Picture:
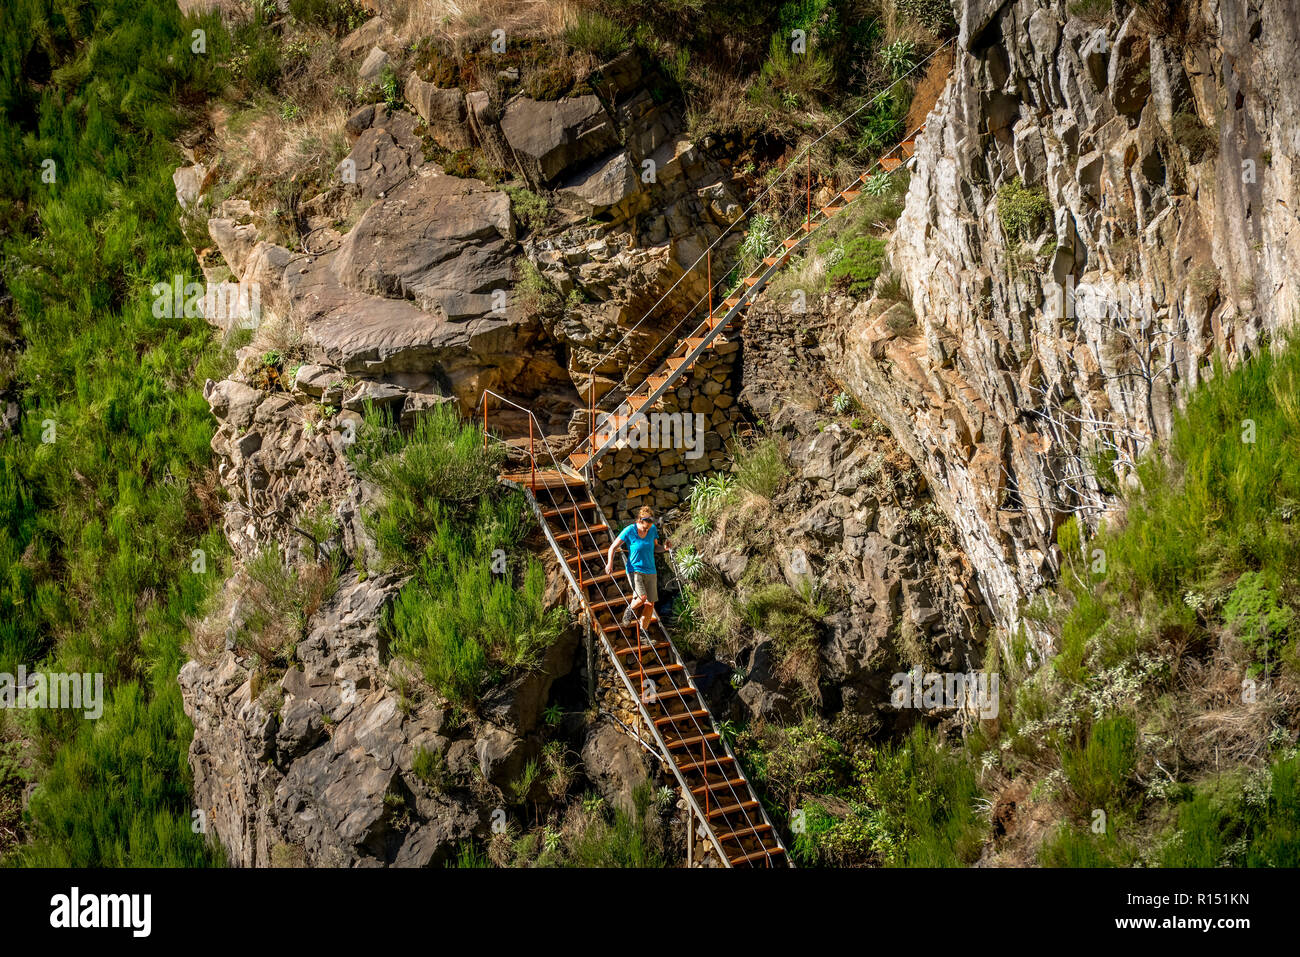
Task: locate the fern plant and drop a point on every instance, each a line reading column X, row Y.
column 689, row 563
column 877, row 184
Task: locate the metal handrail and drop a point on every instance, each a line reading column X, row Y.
column 711, row 330
column 807, row 150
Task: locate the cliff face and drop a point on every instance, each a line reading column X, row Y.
column 1159, row 149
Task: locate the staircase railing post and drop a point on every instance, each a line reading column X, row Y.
column 532, row 460
column 709, row 255
column 690, row 838
column 591, row 661
column 704, row 765
column 485, row 432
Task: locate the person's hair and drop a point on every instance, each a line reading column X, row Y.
column 646, row 512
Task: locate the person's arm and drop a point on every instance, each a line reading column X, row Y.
column 613, row 548
column 661, row 540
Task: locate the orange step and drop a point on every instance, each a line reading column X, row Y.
column 675, row 362
column 732, row 809
column 579, row 459
column 890, row 163
column 647, row 647
column 682, row 716
column 744, row 833
column 757, row 855
column 589, row 530
column 851, row 194
column 566, row 511
column 689, row 742
column 729, row 783
column 711, row 762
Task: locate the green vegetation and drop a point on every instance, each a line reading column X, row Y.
column 758, row 466
column 1147, row 725
column 529, row 208
column 855, row 270
column 793, row 622
column 534, row 292
column 98, row 525
column 597, row 34
column 628, row 840
column 849, row 255
column 1091, row 9
column 590, row 834
column 856, row 804
column 1023, row 211
column 473, row 612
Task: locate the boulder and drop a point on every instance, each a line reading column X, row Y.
column 443, row 242
column 550, row 137
column 501, row 755
column 614, row 763
column 234, row 402
column 189, row 182
column 443, row 112
column 364, row 37
column 372, row 67
column 606, row 182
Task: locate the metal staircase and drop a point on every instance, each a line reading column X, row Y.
column 672, row 709
column 609, row 426
column 653, row 673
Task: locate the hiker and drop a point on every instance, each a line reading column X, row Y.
column 639, row 540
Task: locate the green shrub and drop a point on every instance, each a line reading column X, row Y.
column 779, row 611
column 788, row 80
column 759, row 467
column 535, row 292
column 340, row 17
column 529, row 208
column 935, row 15
column 630, row 840
column 856, row 270
column 1091, row 9
column 882, row 123
column 597, row 34
column 1191, row 134
column 1256, row 614
column 1100, row 771
column 474, row 610
column 98, row 528
column 1023, row 211
column 926, row 796
column 1231, row 822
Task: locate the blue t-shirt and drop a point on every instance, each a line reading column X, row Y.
column 641, row 551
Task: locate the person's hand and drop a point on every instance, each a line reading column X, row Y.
column 609, row 568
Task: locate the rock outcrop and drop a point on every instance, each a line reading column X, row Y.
column 1161, row 152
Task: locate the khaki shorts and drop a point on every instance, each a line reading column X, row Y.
column 647, row 586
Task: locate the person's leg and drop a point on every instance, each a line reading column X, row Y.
column 638, row 599
column 650, row 593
